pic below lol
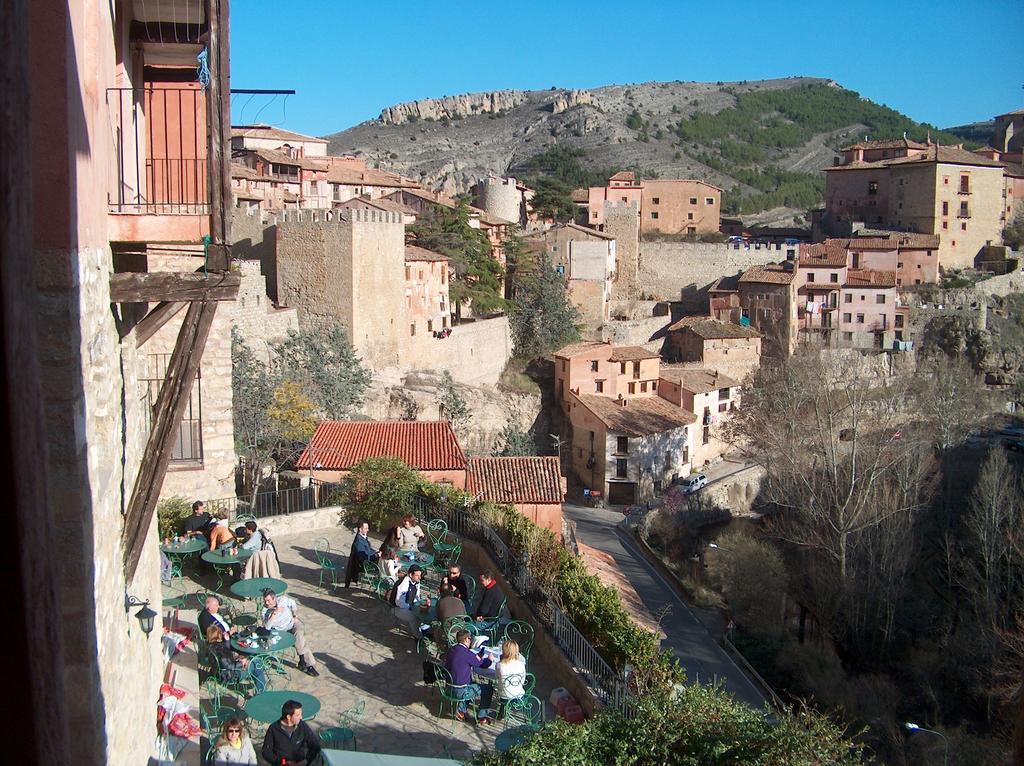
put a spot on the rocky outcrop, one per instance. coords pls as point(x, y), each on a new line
point(570, 98)
point(453, 107)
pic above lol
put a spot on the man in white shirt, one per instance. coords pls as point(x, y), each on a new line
point(279, 613)
point(407, 596)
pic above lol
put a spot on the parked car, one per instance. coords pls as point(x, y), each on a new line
point(695, 483)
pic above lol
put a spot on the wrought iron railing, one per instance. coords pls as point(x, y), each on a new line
point(161, 148)
point(319, 494)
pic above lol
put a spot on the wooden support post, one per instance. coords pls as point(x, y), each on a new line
point(170, 407)
point(172, 286)
point(218, 112)
point(161, 314)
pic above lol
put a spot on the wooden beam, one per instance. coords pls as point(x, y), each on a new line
point(155, 319)
point(170, 407)
point(170, 286)
point(218, 121)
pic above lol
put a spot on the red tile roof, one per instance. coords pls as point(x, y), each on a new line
point(424, 445)
point(870, 278)
point(631, 354)
point(771, 274)
point(639, 416)
point(582, 347)
point(516, 479)
point(581, 195)
point(897, 143)
point(584, 230)
point(831, 253)
point(710, 328)
point(378, 204)
point(697, 380)
point(266, 131)
point(624, 175)
point(415, 253)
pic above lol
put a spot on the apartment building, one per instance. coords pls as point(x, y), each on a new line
point(667, 206)
point(711, 396)
point(944, 191)
point(707, 342)
point(599, 367)
point(116, 251)
point(762, 297)
point(426, 292)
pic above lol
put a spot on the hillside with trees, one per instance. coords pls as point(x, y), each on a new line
point(764, 142)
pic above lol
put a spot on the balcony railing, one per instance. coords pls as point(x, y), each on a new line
point(161, 150)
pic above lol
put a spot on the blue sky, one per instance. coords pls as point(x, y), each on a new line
point(940, 61)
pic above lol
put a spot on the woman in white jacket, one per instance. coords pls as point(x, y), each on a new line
point(234, 746)
point(509, 675)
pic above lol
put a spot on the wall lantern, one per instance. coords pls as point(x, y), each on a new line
point(145, 615)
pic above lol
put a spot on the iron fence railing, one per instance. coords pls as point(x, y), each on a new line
point(318, 494)
point(161, 148)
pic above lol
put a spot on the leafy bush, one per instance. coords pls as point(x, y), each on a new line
point(171, 513)
point(378, 490)
point(694, 725)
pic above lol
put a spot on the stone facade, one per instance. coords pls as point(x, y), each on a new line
point(622, 221)
point(678, 270)
point(501, 197)
point(254, 315)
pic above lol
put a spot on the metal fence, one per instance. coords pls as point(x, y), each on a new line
point(319, 494)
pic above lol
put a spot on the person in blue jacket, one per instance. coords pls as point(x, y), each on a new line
point(362, 551)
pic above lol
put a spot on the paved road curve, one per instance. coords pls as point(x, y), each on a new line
point(705, 661)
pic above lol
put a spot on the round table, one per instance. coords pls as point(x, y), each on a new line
point(423, 559)
point(285, 642)
point(186, 547)
point(214, 557)
point(253, 588)
point(266, 707)
point(513, 737)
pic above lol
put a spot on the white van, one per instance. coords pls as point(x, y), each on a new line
point(694, 483)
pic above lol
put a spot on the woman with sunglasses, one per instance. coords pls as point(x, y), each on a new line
point(234, 746)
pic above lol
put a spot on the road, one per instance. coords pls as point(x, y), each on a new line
point(705, 661)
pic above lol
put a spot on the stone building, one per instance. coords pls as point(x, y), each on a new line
point(347, 267)
point(593, 367)
point(762, 297)
point(586, 258)
point(504, 198)
point(711, 396)
point(666, 206)
point(944, 191)
point(708, 342)
point(259, 320)
point(622, 222)
point(426, 294)
point(86, 291)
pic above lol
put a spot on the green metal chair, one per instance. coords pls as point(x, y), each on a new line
point(454, 624)
point(372, 574)
point(437, 531)
point(322, 550)
point(526, 681)
point(524, 711)
point(338, 737)
point(449, 697)
point(522, 633)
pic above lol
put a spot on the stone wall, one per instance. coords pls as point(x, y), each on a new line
point(254, 240)
point(215, 475)
point(254, 315)
point(622, 221)
point(681, 271)
point(96, 430)
point(475, 353)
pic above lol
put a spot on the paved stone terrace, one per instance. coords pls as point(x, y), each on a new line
point(363, 654)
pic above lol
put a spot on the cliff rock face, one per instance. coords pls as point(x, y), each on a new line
point(453, 107)
point(569, 99)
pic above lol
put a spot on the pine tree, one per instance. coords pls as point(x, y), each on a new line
point(451, 406)
point(542, 318)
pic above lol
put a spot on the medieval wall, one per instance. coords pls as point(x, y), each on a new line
point(681, 271)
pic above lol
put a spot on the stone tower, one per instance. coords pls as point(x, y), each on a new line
point(622, 221)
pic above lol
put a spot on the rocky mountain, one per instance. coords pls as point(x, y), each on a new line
point(763, 141)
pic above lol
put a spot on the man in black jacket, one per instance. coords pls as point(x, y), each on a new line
point(290, 741)
point(197, 524)
point(211, 615)
point(488, 609)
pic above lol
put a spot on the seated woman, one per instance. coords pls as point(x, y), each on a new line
point(234, 746)
point(390, 540)
point(232, 666)
point(509, 675)
point(389, 563)
point(409, 535)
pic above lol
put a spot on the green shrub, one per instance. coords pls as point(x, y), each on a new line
point(379, 490)
point(171, 513)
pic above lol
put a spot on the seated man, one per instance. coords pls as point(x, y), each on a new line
point(266, 544)
point(448, 605)
point(460, 661)
point(280, 614)
point(361, 552)
point(406, 596)
point(290, 740)
point(252, 539)
point(458, 582)
point(197, 524)
point(488, 609)
point(211, 616)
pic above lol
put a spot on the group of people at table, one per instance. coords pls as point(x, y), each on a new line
point(408, 595)
point(218, 533)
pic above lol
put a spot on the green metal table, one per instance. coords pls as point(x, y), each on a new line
point(254, 587)
point(178, 552)
point(279, 641)
point(266, 707)
point(223, 562)
point(408, 559)
point(513, 737)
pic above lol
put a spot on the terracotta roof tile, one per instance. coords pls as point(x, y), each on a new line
point(379, 204)
point(415, 253)
point(830, 253)
point(772, 274)
point(581, 195)
point(267, 131)
point(283, 158)
point(583, 347)
point(584, 230)
point(440, 199)
point(516, 479)
point(870, 278)
point(640, 416)
point(631, 354)
point(698, 380)
point(893, 143)
point(424, 445)
point(710, 328)
point(624, 175)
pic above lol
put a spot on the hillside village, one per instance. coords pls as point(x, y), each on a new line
point(343, 455)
